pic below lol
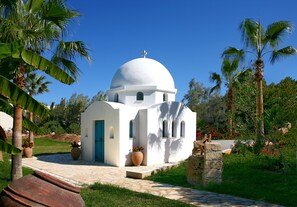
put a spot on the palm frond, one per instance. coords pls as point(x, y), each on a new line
point(47, 66)
point(215, 78)
point(19, 97)
point(282, 53)
point(69, 50)
point(249, 30)
point(8, 148)
point(67, 65)
point(228, 68)
point(36, 84)
point(56, 11)
point(276, 31)
point(33, 6)
point(232, 53)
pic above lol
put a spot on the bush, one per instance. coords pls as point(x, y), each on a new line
point(242, 147)
point(74, 128)
point(52, 126)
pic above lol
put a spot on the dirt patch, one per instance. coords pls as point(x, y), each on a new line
point(67, 137)
point(62, 137)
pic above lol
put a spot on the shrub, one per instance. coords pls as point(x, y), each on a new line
point(52, 126)
point(74, 128)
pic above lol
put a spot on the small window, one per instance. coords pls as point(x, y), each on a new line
point(116, 97)
point(173, 134)
point(131, 129)
point(182, 129)
point(164, 129)
point(139, 96)
point(165, 97)
point(111, 132)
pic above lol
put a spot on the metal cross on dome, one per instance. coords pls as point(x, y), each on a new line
point(144, 54)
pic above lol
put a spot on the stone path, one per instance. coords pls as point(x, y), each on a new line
point(82, 172)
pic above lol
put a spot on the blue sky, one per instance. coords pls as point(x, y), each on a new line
point(186, 36)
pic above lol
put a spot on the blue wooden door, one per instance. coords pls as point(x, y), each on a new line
point(99, 140)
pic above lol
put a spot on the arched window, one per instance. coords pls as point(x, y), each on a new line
point(165, 97)
point(173, 134)
point(182, 129)
point(139, 96)
point(164, 129)
point(116, 97)
point(131, 129)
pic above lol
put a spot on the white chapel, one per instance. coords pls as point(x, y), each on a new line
point(141, 111)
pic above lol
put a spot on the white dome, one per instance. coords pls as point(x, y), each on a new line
point(143, 72)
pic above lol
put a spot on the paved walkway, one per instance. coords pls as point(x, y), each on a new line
point(82, 172)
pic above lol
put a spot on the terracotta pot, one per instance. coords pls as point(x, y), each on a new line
point(28, 151)
point(75, 153)
point(40, 189)
point(137, 158)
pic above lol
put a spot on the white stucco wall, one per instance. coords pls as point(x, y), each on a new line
point(117, 149)
point(159, 149)
point(152, 96)
point(100, 111)
point(6, 121)
point(126, 142)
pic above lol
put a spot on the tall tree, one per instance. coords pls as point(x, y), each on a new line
point(100, 96)
point(281, 103)
point(259, 42)
point(231, 76)
point(209, 108)
point(35, 84)
point(37, 25)
point(196, 95)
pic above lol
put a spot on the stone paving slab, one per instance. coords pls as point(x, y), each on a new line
point(81, 172)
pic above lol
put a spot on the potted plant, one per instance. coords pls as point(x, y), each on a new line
point(137, 155)
point(27, 148)
point(75, 151)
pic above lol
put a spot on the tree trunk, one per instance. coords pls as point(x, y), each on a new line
point(16, 160)
point(230, 111)
point(259, 100)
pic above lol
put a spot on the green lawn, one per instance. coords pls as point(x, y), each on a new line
point(94, 195)
point(247, 176)
point(108, 195)
point(50, 146)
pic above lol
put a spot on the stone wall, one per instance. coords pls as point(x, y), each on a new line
point(206, 168)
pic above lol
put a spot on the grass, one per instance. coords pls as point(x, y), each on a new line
point(49, 146)
point(248, 176)
point(108, 195)
point(94, 195)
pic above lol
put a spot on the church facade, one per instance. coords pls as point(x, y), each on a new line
point(141, 111)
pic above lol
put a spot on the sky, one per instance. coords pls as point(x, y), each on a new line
point(186, 36)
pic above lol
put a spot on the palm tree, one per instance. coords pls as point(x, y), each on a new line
point(36, 25)
point(35, 84)
point(232, 77)
point(259, 42)
point(10, 93)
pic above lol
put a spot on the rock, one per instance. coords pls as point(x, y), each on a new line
point(203, 169)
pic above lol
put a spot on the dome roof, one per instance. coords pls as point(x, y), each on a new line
point(143, 72)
